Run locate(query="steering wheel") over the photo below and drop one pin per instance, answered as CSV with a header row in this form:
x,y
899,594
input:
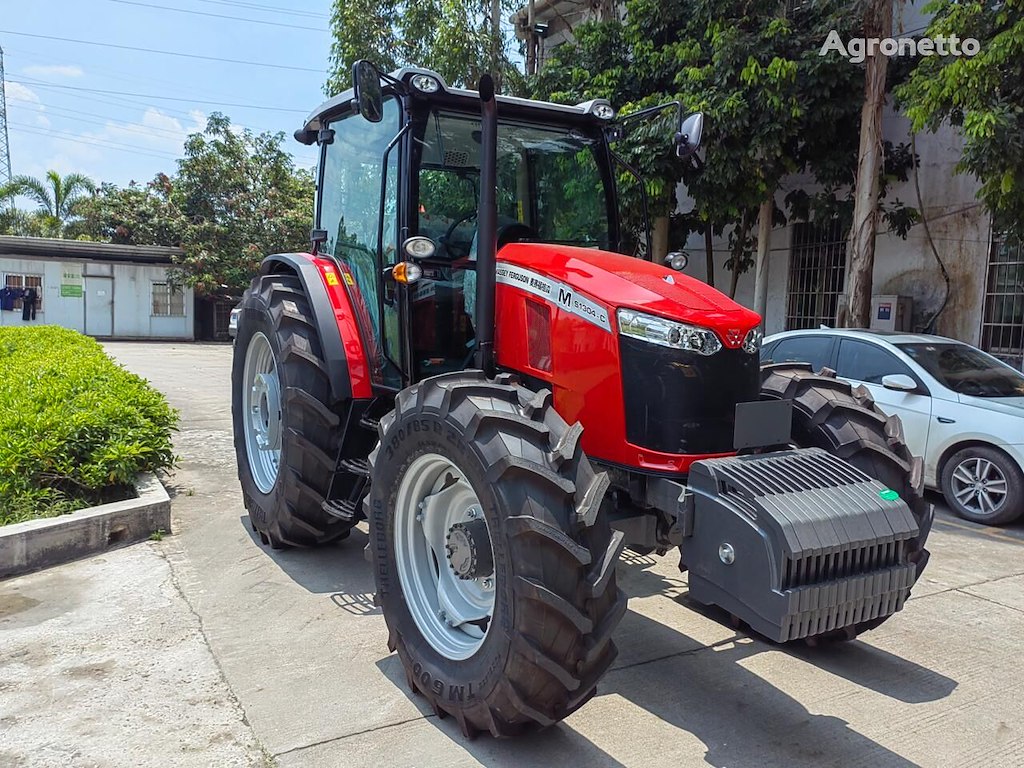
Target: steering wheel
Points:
x,y
515,232
446,237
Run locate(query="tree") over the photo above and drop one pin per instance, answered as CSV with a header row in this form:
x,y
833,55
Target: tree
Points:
x,y
132,215
57,197
459,39
240,198
755,73
982,95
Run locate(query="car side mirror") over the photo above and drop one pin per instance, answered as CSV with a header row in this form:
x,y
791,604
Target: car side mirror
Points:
x,y
366,84
689,136
899,382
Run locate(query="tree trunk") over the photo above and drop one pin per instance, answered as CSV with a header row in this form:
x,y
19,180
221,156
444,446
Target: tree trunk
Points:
x,y
709,255
531,38
738,247
877,23
764,237
659,240
496,40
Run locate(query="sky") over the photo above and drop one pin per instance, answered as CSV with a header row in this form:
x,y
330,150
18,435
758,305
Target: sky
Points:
x,y
119,115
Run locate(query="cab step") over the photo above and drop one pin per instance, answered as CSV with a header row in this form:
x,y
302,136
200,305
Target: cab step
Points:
x,y
343,509
359,467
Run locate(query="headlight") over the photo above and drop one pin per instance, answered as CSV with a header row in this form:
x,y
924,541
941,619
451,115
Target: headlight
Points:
x,y
668,333
752,341
233,319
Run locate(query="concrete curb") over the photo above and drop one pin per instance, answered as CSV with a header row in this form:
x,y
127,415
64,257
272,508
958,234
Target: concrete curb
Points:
x,y
36,544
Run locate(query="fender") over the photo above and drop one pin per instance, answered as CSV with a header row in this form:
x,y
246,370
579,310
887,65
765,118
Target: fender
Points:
x,y
336,323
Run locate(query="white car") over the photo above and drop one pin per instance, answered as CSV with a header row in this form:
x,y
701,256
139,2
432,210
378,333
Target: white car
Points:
x,y
962,409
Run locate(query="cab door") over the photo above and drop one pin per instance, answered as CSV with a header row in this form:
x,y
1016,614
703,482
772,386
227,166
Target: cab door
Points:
x,y
860,362
355,183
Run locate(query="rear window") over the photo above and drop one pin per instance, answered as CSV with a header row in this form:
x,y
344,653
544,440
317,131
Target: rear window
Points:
x,y
816,350
967,370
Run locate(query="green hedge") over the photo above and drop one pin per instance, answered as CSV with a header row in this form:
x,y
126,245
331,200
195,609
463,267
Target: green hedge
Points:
x,y
75,427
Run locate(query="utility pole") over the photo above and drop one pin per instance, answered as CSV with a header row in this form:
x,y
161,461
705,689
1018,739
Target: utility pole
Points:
x,y
5,146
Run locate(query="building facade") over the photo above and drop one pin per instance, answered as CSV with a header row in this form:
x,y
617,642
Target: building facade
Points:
x,y
102,290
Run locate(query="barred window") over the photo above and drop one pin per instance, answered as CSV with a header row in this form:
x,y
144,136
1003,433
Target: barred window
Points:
x,y
1002,325
22,282
168,300
817,271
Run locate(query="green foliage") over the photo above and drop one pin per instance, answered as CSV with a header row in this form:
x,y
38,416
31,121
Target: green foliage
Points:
x,y
236,197
58,199
983,95
75,428
455,38
241,198
773,107
132,215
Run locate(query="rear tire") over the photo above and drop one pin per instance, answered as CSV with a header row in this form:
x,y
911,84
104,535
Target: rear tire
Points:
x,y
555,603
844,420
286,510
995,471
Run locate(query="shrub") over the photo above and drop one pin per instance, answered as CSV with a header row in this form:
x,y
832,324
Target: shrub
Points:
x,y
75,427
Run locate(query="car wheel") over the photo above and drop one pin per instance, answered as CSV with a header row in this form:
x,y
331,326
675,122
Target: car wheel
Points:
x,y
983,485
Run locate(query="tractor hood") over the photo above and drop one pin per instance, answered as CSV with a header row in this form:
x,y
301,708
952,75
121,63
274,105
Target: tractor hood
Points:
x,y
618,281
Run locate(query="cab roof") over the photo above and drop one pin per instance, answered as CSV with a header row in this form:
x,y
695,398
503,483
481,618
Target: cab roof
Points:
x,y
462,99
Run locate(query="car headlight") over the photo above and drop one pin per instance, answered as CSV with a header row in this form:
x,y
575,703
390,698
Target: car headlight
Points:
x,y
233,319
752,341
668,333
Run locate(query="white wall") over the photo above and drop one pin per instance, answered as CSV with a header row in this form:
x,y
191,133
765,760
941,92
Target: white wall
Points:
x,y
132,297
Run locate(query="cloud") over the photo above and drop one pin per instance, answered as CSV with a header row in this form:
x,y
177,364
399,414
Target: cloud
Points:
x,y
53,70
21,97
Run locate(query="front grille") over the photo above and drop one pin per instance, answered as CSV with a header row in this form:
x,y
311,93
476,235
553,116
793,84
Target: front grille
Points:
x,y
853,561
683,402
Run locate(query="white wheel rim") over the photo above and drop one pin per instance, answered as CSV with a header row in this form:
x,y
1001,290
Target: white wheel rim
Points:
x,y
261,398
979,486
453,614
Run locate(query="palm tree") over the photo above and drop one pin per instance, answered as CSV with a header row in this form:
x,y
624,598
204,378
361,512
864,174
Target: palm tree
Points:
x,y
57,196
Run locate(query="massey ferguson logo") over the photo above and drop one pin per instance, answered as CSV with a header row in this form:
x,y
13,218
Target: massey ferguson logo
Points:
x,y
733,337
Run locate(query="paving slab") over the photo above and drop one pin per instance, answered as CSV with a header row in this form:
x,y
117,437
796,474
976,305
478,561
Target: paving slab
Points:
x,y
303,649
103,663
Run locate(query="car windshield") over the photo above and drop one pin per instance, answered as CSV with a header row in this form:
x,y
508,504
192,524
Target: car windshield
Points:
x,y
549,182
967,370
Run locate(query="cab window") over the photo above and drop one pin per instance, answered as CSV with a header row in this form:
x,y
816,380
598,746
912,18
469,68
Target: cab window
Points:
x,y
349,210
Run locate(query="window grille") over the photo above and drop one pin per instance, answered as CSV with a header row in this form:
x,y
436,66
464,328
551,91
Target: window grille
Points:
x,y
168,300
1002,325
26,281
817,273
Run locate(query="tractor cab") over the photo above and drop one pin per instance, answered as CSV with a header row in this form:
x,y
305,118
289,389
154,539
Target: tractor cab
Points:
x,y
403,185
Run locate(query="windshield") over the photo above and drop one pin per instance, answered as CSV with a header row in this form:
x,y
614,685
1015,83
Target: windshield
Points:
x,y
967,370
550,186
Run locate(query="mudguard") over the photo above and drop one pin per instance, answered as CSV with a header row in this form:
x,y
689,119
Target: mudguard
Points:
x,y
340,340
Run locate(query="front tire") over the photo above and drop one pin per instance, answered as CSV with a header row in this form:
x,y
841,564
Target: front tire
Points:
x,y
844,420
286,427
983,485
532,650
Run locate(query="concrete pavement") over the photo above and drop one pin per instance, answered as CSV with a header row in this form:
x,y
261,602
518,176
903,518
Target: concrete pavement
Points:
x,y
301,647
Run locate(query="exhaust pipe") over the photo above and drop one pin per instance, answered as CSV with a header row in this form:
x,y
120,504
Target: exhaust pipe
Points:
x,y
487,227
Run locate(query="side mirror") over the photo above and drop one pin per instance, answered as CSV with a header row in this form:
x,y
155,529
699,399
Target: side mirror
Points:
x,y
688,138
677,260
366,84
899,382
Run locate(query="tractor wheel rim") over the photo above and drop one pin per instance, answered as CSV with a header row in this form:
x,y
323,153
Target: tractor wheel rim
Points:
x,y
262,409
979,485
452,612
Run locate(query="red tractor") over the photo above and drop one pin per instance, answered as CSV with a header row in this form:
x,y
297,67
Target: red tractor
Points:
x,y
466,362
